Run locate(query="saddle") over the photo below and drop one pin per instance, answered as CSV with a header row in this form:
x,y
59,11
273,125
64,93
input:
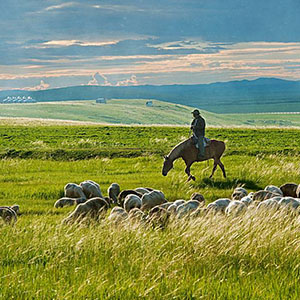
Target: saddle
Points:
x,y
207,141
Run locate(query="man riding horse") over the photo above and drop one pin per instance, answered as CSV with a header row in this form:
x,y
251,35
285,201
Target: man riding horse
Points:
x,y
198,127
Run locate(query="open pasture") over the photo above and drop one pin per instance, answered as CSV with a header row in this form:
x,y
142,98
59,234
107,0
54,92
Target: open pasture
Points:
x,y
250,257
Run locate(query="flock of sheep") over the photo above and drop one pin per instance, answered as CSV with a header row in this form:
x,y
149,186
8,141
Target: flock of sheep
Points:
x,y
151,206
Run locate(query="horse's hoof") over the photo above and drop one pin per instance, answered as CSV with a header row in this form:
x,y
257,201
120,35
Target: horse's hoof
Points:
x,y
194,178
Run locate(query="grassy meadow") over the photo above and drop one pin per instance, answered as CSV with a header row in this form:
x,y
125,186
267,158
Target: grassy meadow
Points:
x,y
134,111
256,256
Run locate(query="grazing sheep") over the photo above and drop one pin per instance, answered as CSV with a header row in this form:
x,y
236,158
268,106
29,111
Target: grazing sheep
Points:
x,y
124,193
198,197
16,208
8,214
219,205
158,217
91,189
187,208
68,202
247,200
132,201
274,189
153,199
117,215
263,195
268,204
239,193
136,214
289,202
289,189
142,190
73,190
113,191
235,208
92,208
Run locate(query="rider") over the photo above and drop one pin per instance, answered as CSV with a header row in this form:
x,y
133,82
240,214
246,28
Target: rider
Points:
x,y
198,127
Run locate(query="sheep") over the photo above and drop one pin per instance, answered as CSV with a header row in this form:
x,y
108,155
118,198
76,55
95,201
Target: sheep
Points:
x,y
274,189
73,190
136,214
16,208
235,208
113,191
289,189
8,214
152,199
158,217
239,193
263,195
289,202
92,207
91,189
117,214
172,208
68,202
247,200
219,205
187,207
268,204
124,193
73,195
199,197
142,190
132,201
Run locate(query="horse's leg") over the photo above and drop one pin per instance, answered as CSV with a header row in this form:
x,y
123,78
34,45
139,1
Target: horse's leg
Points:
x,y
214,168
222,168
188,172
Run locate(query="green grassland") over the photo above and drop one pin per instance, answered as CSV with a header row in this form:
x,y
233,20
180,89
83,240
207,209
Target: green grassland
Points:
x,y
250,257
135,112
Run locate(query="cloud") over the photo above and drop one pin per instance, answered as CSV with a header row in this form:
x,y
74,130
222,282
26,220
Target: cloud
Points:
x,y
99,79
131,81
41,86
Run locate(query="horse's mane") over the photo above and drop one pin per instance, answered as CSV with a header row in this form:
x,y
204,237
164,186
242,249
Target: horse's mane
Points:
x,y
175,152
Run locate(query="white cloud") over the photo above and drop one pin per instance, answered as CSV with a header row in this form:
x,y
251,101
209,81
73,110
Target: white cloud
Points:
x,y
42,86
131,81
99,79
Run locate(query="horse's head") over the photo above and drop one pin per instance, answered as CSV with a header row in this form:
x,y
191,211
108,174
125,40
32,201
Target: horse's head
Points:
x,y
168,165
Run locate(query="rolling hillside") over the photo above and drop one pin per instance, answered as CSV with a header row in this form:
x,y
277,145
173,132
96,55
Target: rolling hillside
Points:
x,y
256,96
136,112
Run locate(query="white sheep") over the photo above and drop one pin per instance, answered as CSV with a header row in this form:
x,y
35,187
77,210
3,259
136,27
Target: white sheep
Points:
x,y
247,200
153,199
92,208
172,208
274,189
263,195
239,193
219,205
289,202
73,190
235,208
268,204
113,191
132,201
117,215
187,208
142,190
68,202
91,189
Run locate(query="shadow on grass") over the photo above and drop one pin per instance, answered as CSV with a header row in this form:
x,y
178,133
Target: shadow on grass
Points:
x,y
228,183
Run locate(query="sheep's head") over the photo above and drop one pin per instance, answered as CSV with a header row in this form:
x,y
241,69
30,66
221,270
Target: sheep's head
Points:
x,y
168,165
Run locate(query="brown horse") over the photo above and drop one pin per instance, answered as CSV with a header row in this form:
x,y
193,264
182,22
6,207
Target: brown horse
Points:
x,y
189,153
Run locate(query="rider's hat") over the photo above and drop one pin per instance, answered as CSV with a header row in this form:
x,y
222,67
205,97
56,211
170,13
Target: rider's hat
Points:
x,y
196,112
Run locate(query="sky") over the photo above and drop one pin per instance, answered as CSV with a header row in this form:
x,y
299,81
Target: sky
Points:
x,y
53,43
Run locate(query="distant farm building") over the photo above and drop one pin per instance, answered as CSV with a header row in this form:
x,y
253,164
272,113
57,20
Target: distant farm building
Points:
x,y
18,99
149,103
101,100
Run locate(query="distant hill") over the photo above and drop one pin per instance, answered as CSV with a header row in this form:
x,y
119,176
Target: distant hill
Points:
x,y
260,95
129,111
